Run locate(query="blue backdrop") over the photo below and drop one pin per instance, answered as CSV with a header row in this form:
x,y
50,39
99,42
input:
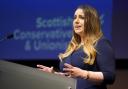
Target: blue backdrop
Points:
x,y
42,28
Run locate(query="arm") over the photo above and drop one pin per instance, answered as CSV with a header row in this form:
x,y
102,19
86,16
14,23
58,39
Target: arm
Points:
x,y
96,77
106,61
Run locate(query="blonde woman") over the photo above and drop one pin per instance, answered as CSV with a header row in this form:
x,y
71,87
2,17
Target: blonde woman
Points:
x,y
89,56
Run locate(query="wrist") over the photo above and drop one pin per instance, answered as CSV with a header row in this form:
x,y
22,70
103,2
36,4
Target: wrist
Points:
x,y
86,75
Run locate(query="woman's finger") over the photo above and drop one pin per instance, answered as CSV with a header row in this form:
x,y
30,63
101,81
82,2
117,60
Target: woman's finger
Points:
x,y
68,70
41,66
68,65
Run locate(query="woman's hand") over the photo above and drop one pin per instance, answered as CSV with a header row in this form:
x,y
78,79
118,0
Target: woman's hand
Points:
x,y
50,70
74,71
45,68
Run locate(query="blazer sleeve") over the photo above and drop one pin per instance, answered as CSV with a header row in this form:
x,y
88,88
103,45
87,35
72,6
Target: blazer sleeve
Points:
x,y
106,61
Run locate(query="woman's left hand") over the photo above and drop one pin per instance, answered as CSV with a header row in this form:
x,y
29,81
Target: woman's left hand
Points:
x,y
73,71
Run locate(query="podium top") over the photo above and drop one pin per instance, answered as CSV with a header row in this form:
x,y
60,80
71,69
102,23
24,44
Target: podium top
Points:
x,y
16,76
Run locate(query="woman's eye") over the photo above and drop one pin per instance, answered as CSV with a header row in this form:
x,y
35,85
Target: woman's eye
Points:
x,y
82,17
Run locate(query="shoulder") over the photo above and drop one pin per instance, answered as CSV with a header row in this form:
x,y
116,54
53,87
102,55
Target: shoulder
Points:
x,y
103,44
103,41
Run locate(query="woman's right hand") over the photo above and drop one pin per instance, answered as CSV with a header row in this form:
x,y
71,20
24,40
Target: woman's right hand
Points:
x,y
50,70
45,68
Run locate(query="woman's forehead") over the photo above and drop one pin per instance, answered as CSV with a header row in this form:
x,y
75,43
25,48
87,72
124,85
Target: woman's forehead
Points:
x,y
79,11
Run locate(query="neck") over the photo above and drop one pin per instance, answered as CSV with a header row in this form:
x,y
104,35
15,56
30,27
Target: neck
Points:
x,y
82,39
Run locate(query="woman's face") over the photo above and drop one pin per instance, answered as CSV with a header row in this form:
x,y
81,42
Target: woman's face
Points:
x,y
78,22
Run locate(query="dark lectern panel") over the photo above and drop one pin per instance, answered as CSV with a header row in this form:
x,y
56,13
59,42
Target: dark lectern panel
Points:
x,y
16,76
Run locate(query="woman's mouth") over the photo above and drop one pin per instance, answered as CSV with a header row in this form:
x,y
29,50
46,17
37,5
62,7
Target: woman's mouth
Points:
x,y
77,27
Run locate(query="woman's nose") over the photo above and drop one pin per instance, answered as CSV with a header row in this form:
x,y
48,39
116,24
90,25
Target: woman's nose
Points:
x,y
77,20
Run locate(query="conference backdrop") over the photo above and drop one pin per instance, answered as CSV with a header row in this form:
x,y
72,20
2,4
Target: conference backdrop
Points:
x,y
41,29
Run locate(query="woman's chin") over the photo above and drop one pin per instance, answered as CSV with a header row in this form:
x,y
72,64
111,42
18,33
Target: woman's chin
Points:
x,y
78,32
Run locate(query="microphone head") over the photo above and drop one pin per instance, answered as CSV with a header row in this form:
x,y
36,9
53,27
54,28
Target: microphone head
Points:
x,y
7,37
10,36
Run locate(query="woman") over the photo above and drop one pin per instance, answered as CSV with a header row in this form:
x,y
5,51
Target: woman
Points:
x,y
89,57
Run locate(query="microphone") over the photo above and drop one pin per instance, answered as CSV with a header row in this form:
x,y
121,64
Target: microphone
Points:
x,y
8,36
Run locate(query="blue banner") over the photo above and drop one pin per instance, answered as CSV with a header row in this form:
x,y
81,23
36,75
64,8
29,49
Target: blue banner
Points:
x,y
42,28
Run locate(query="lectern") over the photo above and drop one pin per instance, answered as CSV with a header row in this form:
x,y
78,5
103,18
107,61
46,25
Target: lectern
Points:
x,y
16,76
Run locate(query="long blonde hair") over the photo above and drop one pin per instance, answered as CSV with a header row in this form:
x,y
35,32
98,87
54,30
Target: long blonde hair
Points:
x,y
92,34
